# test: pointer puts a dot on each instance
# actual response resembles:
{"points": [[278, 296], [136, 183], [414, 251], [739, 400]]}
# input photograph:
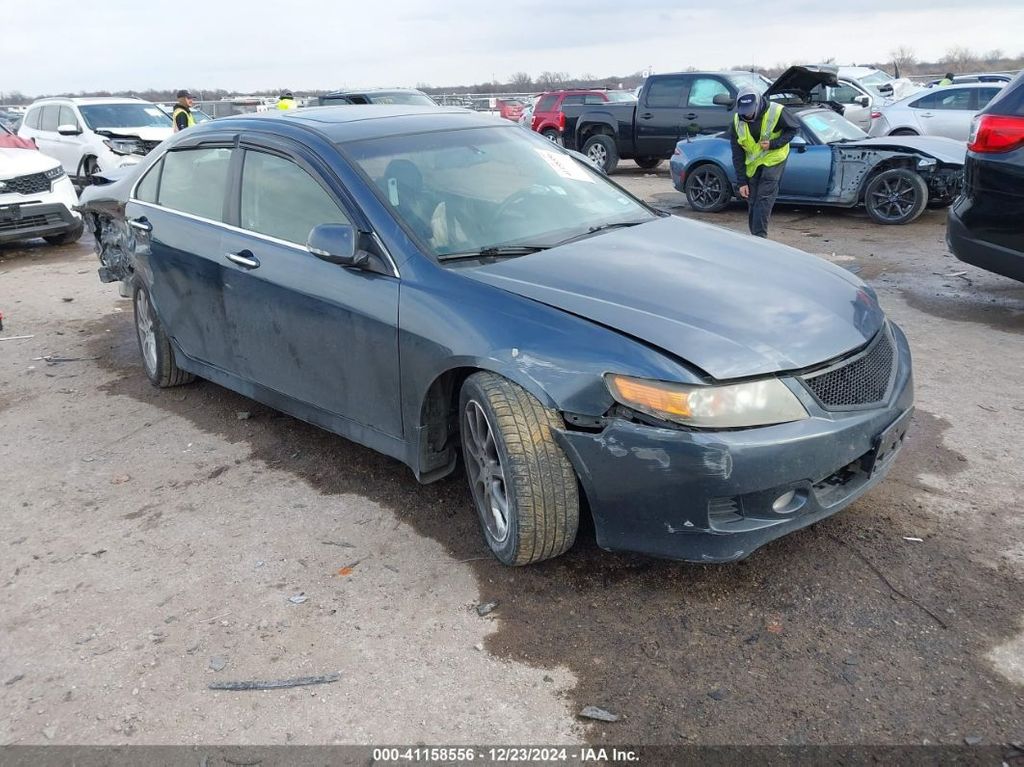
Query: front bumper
{"points": [[28, 220], [706, 496]]}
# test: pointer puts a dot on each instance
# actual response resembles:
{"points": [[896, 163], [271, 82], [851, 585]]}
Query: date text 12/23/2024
{"points": [[502, 754]]}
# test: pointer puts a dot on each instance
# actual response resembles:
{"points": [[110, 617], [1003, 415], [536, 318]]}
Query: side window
{"points": [[282, 200], [32, 118], [703, 91], [195, 181], [985, 95], [946, 99], [930, 101], [67, 117], [594, 99], [49, 118], [147, 188], [576, 98], [845, 94], [667, 93], [546, 104]]}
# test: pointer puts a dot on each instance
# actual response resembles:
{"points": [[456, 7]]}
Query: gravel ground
{"points": [[158, 541]]}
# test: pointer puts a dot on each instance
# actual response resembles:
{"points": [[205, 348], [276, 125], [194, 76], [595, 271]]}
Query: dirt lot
{"points": [[153, 539]]}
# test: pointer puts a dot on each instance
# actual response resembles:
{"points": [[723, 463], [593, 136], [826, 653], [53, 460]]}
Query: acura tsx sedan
{"points": [[437, 285]]}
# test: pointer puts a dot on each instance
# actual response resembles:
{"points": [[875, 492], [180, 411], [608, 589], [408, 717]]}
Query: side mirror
{"points": [[799, 143], [723, 100], [885, 89], [336, 244], [862, 101], [69, 130]]}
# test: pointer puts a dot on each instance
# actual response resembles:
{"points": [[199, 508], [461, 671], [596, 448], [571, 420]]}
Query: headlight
{"points": [[757, 403], [124, 146]]}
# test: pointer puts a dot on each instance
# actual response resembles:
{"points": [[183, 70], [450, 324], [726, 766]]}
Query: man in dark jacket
{"points": [[760, 136]]}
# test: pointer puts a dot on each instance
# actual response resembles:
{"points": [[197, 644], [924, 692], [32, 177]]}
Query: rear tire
{"points": [[155, 346], [601, 150], [904, 132], [707, 189], [648, 163], [523, 486], [68, 237], [896, 196], [551, 135]]}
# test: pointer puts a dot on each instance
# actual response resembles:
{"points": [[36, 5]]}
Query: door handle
{"points": [[927, 114], [244, 258], [691, 116], [646, 116], [142, 224]]}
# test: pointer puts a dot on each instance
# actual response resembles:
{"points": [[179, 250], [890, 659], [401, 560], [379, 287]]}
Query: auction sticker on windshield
{"points": [[565, 166]]}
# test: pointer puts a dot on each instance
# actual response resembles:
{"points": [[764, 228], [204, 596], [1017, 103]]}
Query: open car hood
{"points": [[799, 81]]}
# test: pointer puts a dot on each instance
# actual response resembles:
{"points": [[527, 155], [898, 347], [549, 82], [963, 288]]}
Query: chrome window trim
{"points": [[132, 197]]}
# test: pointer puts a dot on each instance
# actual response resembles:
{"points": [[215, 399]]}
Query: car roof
{"points": [[84, 100], [340, 124], [356, 91]]}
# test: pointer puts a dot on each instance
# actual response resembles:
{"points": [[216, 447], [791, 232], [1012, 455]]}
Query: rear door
{"points": [[313, 331], [178, 216], [47, 138], [661, 116], [68, 149]]}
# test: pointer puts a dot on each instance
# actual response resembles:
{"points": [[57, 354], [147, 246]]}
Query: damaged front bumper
{"points": [[716, 496]]}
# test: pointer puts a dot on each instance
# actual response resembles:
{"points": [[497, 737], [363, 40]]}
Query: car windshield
{"points": [[466, 192], [124, 116], [749, 80], [830, 128], [621, 96], [407, 99], [876, 78]]}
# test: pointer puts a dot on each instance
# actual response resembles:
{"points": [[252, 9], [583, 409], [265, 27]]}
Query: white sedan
{"points": [[939, 111]]}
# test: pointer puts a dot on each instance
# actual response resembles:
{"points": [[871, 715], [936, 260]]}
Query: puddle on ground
{"points": [[841, 632]]}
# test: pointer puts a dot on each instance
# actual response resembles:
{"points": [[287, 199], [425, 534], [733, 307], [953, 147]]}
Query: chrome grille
{"points": [[37, 183], [863, 379]]}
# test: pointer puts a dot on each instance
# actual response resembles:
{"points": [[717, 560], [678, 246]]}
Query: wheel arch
{"points": [[889, 163]]}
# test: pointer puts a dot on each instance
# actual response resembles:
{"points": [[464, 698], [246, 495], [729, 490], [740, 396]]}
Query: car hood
{"points": [[801, 80], [730, 304], [150, 133], [24, 162], [941, 148]]}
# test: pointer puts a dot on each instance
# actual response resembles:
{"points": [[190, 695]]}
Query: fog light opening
{"points": [[789, 502]]}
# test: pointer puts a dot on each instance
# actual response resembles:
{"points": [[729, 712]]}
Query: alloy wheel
{"points": [[706, 188], [894, 199], [598, 154], [486, 474], [146, 331]]}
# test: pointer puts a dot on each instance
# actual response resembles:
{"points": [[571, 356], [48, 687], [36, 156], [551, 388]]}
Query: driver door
{"points": [[808, 169]]}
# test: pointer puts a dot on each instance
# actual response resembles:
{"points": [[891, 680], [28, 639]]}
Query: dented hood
{"points": [[943, 149], [149, 133], [729, 304]]}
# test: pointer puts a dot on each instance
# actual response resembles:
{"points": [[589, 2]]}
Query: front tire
{"points": [[896, 196], [707, 189], [155, 346], [523, 486], [66, 238], [601, 150]]}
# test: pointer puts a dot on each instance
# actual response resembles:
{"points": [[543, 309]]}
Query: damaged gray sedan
{"points": [[446, 288]]}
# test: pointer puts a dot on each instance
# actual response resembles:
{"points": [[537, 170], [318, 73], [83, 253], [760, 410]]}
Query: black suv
{"points": [[985, 221]]}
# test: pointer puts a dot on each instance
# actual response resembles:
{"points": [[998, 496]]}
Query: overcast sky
{"points": [[53, 46]]}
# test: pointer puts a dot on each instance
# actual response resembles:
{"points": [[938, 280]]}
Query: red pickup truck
{"points": [[548, 118]]}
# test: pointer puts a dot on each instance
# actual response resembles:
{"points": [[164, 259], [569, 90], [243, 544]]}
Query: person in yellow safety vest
{"points": [[948, 79], [286, 101], [182, 113], [760, 134]]}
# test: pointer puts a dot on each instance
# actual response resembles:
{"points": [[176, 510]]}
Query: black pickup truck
{"points": [[671, 106]]}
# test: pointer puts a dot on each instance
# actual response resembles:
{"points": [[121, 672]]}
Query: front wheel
{"points": [[602, 151], [155, 346], [648, 163], [707, 189], [551, 135], [896, 196], [523, 486]]}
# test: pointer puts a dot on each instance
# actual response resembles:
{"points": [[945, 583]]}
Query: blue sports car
{"points": [[831, 162], [444, 287]]}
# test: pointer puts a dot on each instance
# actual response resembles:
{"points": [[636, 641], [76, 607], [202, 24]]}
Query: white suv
{"points": [[92, 135], [36, 196]]}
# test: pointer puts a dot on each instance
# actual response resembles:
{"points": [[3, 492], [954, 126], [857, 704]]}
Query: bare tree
{"points": [[959, 58], [903, 58], [520, 81], [548, 80], [994, 56]]}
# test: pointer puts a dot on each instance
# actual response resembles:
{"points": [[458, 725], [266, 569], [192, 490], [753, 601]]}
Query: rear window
{"points": [[546, 104], [666, 93], [1010, 100], [195, 181]]}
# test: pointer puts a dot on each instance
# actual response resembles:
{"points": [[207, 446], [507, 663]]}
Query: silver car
{"points": [[940, 111]]}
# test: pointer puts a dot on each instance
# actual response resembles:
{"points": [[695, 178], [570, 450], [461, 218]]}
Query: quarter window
{"points": [[546, 104], [281, 200], [195, 181], [985, 95], [703, 92], [147, 189], [32, 118], [666, 93]]}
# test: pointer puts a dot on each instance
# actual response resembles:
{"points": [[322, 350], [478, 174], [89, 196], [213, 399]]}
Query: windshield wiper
{"points": [[494, 251], [602, 228]]}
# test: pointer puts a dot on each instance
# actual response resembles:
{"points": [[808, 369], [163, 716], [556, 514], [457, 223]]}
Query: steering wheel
{"points": [[518, 198]]}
